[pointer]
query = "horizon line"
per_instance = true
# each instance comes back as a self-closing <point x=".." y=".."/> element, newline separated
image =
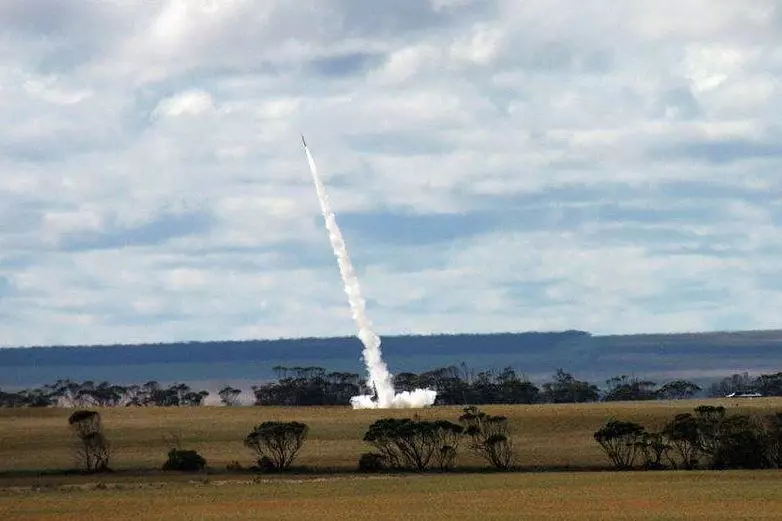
<point x="394" y="335"/>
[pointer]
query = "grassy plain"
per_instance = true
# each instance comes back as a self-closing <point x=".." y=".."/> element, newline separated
<point x="704" y="495"/>
<point x="35" y="444"/>
<point x="546" y="435"/>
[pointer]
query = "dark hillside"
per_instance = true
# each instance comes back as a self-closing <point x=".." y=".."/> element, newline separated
<point x="698" y="356"/>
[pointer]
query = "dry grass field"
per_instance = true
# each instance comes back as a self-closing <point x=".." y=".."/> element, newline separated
<point x="35" y="444"/>
<point x="711" y="496"/>
<point x="546" y="435"/>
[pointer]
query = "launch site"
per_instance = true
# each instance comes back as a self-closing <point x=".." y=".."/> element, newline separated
<point x="420" y="259"/>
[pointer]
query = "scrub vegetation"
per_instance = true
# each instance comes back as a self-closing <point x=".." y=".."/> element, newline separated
<point x="440" y="462"/>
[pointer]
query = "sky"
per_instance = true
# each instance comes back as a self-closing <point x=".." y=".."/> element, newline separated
<point x="495" y="165"/>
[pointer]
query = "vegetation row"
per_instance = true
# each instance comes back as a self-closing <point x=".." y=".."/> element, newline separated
<point x="708" y="438"/>
<point x="400" y="444"/>
<point x="454" y="386"/>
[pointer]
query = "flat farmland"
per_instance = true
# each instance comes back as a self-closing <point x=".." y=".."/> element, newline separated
<point x="36" y="446"/>
<point x="699" y="495"/>
<point x="38" y="440"/>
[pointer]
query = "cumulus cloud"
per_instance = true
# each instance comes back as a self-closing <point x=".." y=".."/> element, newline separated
<point x="495" y="166"/>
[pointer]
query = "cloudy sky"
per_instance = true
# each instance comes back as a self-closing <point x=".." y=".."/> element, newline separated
<point x="495" y="166"/>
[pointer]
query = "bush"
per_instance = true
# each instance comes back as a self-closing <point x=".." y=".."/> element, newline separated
<point x="621" y="441"/>
<point x="276" y="443"/>
<point x="92" y="450"/>
<point x="414" y="444"/>
<point x="184" y="460"/>
<point x="773" y="430"/>
<point x="266" y="464"/>
<point x="490" y="437"/>
<point x="709" y="420"/>
<point x="654" y="448"/>
<point x="722" y="441"/>
<point x="738" y="441"/>
<point x="448" y="435"/>
<point x="682" y="433"/>
<point x="742" y="444"/>
<point x="371" y="462"/>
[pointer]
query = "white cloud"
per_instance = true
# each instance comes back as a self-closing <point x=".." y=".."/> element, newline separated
<point x="190" y="102"/>
<point x="481" y="47"/>
<point x="406" y="63"/>
<point x="496" y="166"/>
<point x="46" y="89"/>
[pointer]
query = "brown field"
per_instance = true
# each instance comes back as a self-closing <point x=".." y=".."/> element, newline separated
<point x="36" y="444"/>
<point x="711" y="496"/>
<point x="546" y="435"/>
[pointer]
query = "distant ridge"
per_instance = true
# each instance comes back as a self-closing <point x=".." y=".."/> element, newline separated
<point x="735" y="338"/>
<point x="231" y="350"/>
<point x="767" y="334"/>
<point x="660" y="356"/>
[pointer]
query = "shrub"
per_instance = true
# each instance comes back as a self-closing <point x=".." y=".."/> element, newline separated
<point x="683" y="436"/>
<point x="184" y="460"/>
<point x="773" y="430"/>
<point x="621" y="441"/>
<point x="490" y="437"/>
<point x="414" y="444"/>
<point x="266" y="464"/>
<point x="709" y="420"/>
<point x="93" y="450"/>
<point x="654" y="448"/>
<point x="741" y="444"/>
<point x="725" y="442"/>
<point x="371" y="462"/>
<point x="446" y="457"/>
<point x="276" y="443"/>
<point x="738" y="441"/>
<point x="448" y="435"/>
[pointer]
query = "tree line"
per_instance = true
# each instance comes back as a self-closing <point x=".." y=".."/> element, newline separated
<point x="708" y="438"/>
<point x="399" y="444"/>
<point x="458" y="385"/>
<point x="455" y="385"/>
<point x="68" y="393"/>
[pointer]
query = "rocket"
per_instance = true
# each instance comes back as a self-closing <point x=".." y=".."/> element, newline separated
<point x="303" y="142"/>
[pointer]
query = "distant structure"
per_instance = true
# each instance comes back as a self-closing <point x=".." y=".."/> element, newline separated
<point x="744" y="395"/>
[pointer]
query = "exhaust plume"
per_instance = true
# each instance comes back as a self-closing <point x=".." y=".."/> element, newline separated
<point x="379" y="378"/>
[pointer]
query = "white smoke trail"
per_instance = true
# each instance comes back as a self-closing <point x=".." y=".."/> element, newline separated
<point x="379" y="377"/>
